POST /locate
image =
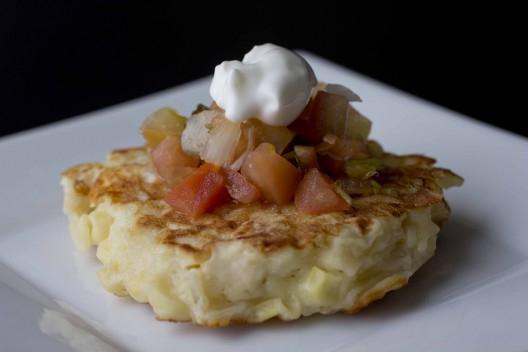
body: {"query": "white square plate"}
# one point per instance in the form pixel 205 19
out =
pixel 470 297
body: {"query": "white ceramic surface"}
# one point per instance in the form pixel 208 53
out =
pixel 470 297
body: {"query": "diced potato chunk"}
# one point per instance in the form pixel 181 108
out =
pixel 269 309
pixel 164 302
pixel 320 287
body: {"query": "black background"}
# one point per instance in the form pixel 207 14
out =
pixel 58 59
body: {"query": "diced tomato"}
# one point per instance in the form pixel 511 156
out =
pixel 160 124
pixel 200 192
pixel 240 188
pixel 171 162
pixel 316 195
pixel 274 176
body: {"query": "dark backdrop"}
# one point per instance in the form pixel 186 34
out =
pixel 58 60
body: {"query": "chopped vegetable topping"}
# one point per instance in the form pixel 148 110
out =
pixel 171 162
pixel 222 143
pixel 240 188
pixel 202 191
pixel 331 166
pixel 316 195
pixel 251 161
pixel 196 133
pixel 375 149
pixel 306 156
pixel 447 179
pixel 342 149
pixel 246 144
pixel 329 113
pixel 363 168
pixel 391 160
pixel 279 136
pixel 341 90
pixel 342 193
pixel 274 176
pixel 199 108
pixel 162 123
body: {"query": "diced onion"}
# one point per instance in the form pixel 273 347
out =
pixel 329 113
pixel 343 91
pixel 250 145
pixel 337 89
pixel 356 126
pixel 222 143
pixel 196 133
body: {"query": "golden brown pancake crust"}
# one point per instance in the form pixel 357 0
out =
pixel 128 177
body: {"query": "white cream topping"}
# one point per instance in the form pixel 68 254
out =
pixel 271 83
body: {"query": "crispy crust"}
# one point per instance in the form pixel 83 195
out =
pixel 378 292
pixel 128 177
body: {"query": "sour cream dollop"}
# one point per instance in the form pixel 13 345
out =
pixel 271 83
